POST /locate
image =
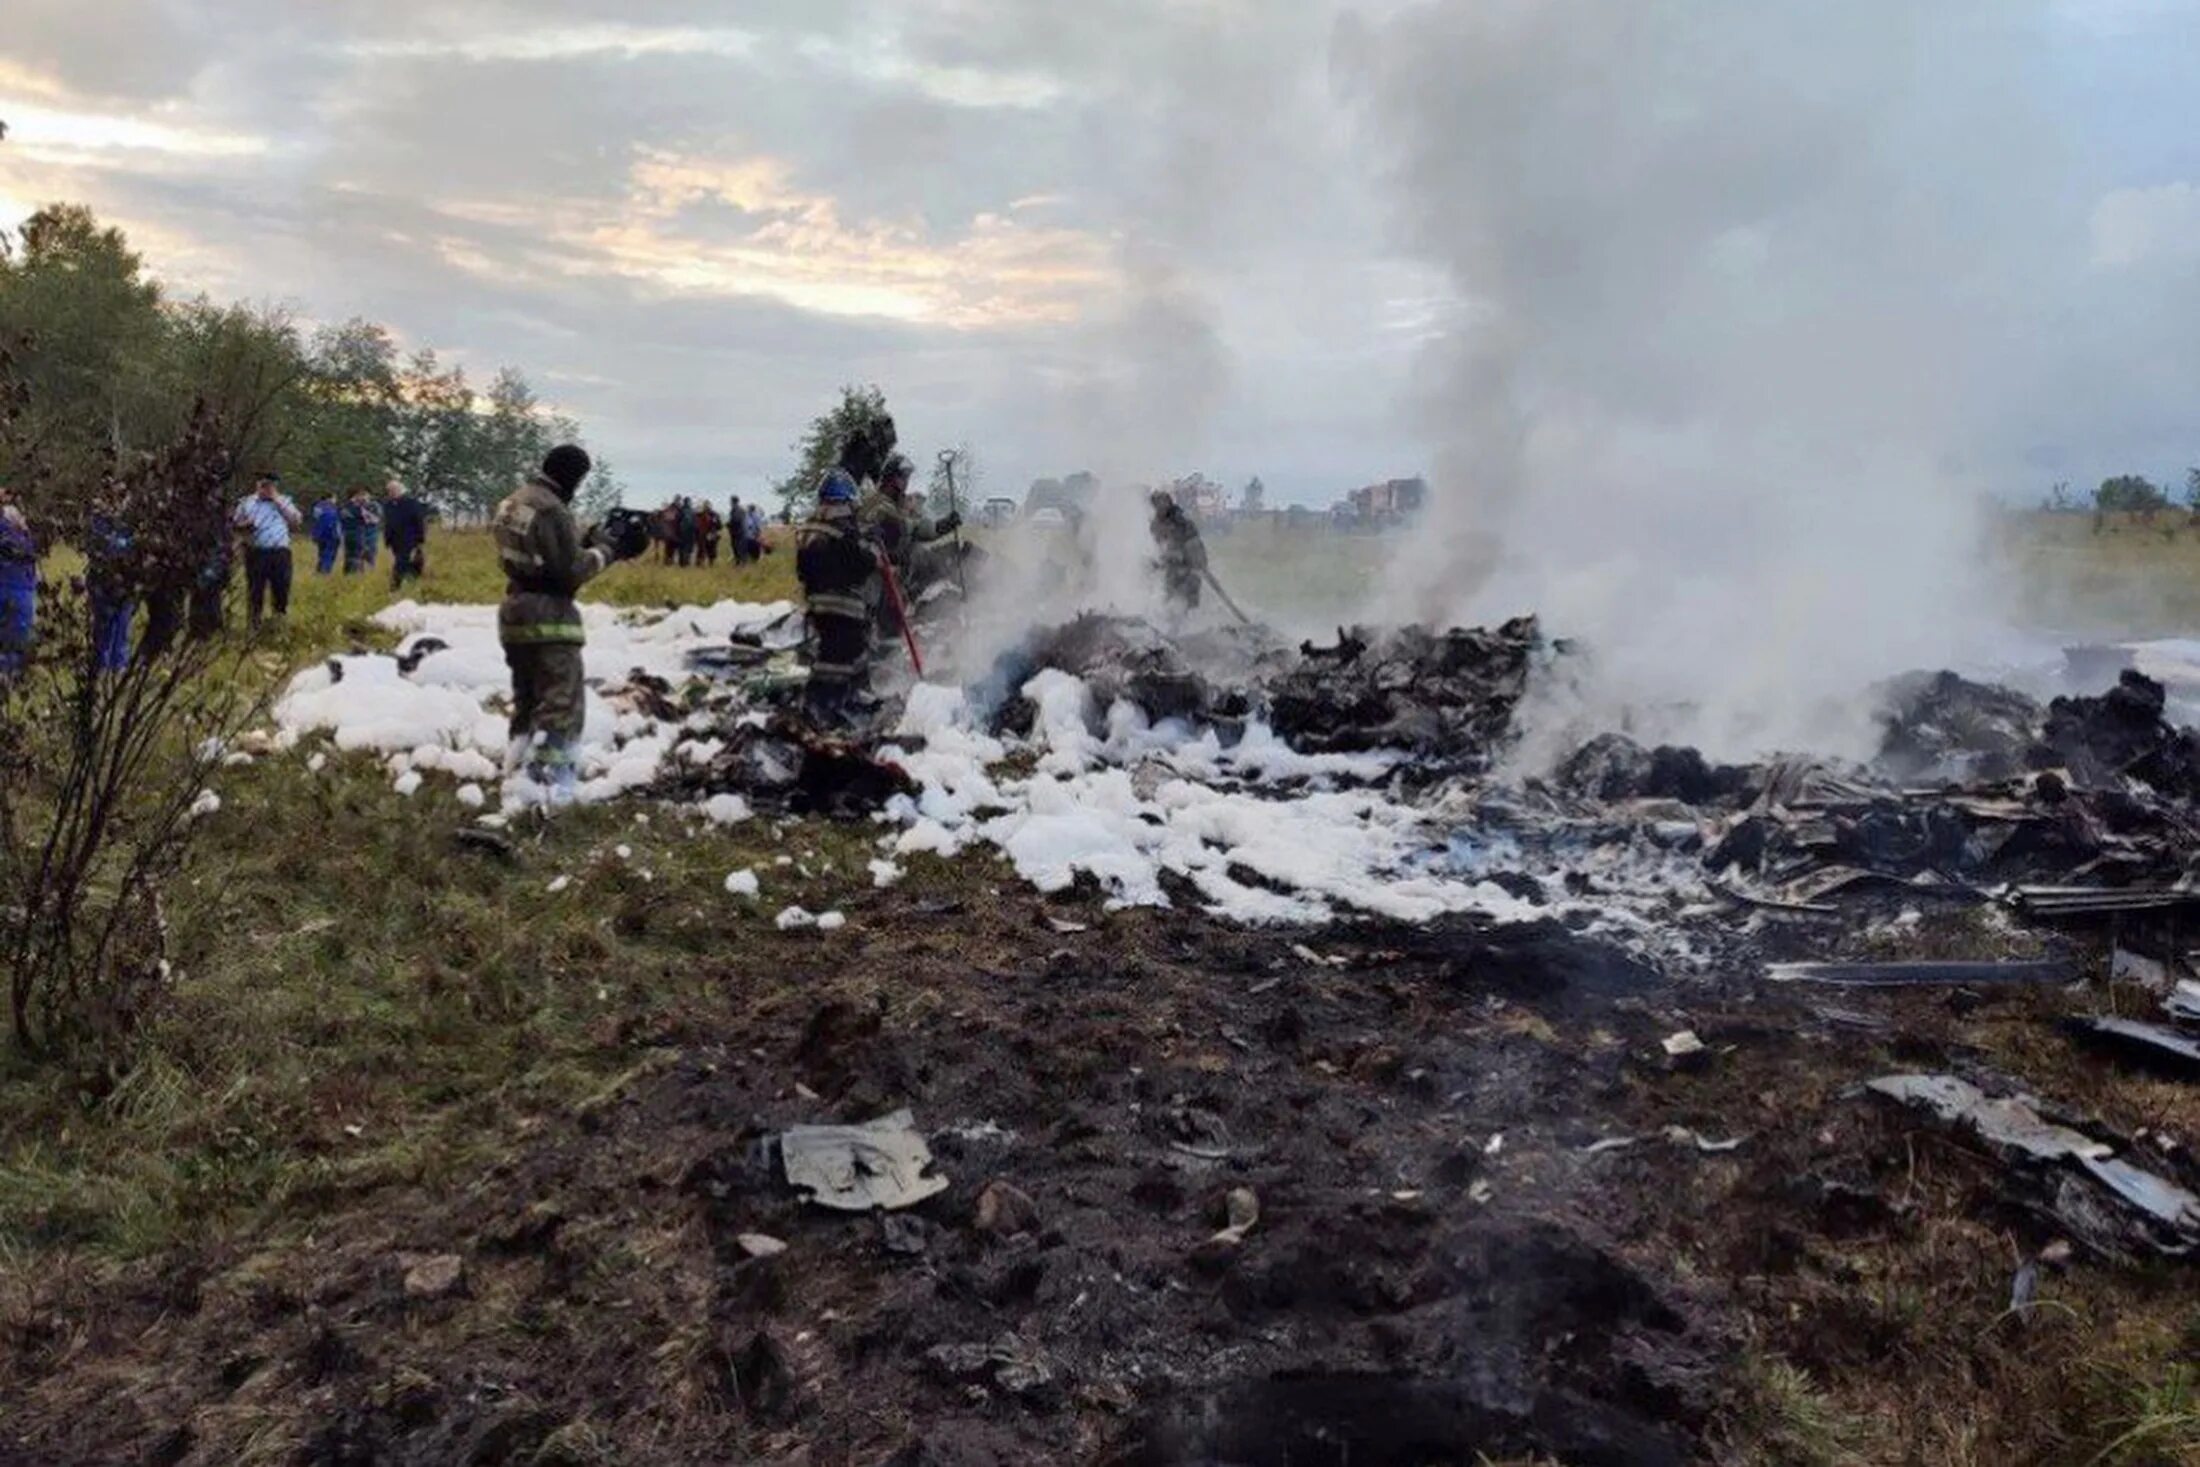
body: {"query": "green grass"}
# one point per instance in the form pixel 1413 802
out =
pixel 364 1007
pixel 363 1004
pixel 2128 579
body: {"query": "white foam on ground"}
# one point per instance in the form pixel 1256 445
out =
pixel 449 715
pixel 1260 832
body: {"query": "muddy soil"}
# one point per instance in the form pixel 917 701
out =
pixel 1444 1262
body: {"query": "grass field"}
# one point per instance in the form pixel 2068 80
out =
pixel 347 968
pixel 2125 579
pixel 367 1011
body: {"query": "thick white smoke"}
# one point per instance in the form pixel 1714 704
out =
pixel 1743 287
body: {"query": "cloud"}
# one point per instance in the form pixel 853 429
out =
pixel 90 138
pixel 563 43
pixel 1140 230
pixel 2132 226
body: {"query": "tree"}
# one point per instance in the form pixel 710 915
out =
pixel 1256 495
pixel 109 367
pixel 860 410
pixel 2129 494
pixel 248 366
pixel 434 438
pixel 601 492
pixel 76 295
pixel 954 480
pixel 352 396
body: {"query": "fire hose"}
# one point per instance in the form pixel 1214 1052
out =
pixel 1225 595
pixel 901 610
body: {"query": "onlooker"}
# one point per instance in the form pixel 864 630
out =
pixel 756 532
pixel 328 534
pixel 737 530
pixel 406 520
pixel 683 531
pixel 353 518
pixel 268 518
pixel 707 526
pixel 107 577
pixel 370 518
pixel 18 585
pixel 207 549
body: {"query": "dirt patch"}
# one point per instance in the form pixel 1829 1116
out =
pixel 1493 1216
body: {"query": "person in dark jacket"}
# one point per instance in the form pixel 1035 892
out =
pixel 405 523
pixel 186 595
pixel 18 585
pixel 352 519
pixel 547 560
pixel 707 526
pixel 328 534
pixel 837 567
pixel 683 531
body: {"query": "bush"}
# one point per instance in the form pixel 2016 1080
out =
pixel 103 761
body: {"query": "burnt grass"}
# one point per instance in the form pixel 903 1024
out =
pixel 1441 1270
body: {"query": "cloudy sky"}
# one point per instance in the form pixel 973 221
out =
pixel 1127 234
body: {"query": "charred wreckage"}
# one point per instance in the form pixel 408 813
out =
pixel 2071 823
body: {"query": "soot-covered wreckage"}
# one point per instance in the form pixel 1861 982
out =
pixel 2064 821
pixel 1396 1157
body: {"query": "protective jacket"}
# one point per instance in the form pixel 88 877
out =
pixel 897 528
pixel 545 564
pixel 836 564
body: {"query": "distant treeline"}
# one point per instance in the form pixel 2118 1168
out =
pixel 113 366
pixel 2123 494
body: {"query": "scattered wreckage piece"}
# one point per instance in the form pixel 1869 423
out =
pixel 1120 658
pixel 1923 974
pixel 1613 766
pixel 2074 902
pixel 2156 1046
pixel 2121 734
pixel 1445 696
pixel 2052 1166
pixel 785 762
pixel 882 1163
pixel 2183 1002
pixel 1940 728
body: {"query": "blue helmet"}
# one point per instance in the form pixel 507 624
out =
pixel 838 488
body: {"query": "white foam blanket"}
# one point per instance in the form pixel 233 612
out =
pixel 1262 833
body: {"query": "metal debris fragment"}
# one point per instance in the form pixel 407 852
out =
pixel 2152 1044
pixel 882 1163
pixel 2124 1209
pixel 1922 974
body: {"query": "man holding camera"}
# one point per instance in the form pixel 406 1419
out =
pixel 267 518
pixel 546 561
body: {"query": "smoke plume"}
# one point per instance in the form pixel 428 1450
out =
pixel 1742 291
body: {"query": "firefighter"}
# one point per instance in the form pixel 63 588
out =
pixel 1181 555
pixel 900 527
pixel 838 567
pixel 546 560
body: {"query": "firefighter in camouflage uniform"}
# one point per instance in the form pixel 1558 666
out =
pixel 546 561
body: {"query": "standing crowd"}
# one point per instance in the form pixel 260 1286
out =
pixel 688 532
pixel 258 531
